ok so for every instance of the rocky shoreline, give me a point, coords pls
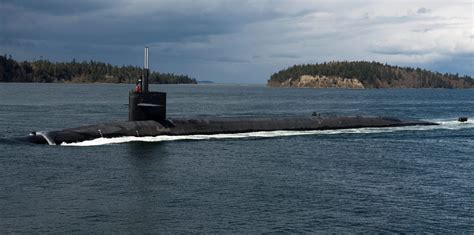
(319, 82)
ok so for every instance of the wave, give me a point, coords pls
(10, 141)
(444, 124)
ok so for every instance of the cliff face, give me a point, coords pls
(363, 74)
(319, 82)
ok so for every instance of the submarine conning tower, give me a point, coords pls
(144, 104)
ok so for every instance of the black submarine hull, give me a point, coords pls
(209, 126)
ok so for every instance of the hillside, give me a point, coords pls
(79, 72)
(362, 74)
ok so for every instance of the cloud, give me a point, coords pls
(239, 41)
(59, 7)
(285, 55)
(438, 38)
(136, 22)
(395, 50)
(423, 10)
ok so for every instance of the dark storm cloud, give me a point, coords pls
(108, 23)
(59, 7)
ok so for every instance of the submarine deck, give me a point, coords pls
(195, 126)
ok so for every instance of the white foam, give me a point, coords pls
(444, 124)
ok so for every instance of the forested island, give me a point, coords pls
(362, 74)
(44, 71)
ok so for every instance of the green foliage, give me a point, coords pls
(84, 72)
(375, 75)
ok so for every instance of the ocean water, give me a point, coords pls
(408, 179)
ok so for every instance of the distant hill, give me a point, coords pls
(362, 74)
(80, 72)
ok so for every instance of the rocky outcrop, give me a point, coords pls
(319, 82)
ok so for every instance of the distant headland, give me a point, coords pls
(44, 71)
(362, 74)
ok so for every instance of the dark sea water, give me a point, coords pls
(409, 179)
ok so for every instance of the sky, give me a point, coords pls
(234, 41)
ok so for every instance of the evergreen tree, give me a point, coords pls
(86, 71)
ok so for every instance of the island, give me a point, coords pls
(44, 71)
(363, 74)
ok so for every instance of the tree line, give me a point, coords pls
(376, 75)
(44, 71)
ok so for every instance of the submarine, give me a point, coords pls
(147, 117)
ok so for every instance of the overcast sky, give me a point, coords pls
(241, 41)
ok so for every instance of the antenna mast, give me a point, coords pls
(147, 72)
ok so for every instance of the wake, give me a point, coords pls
(444, 124)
